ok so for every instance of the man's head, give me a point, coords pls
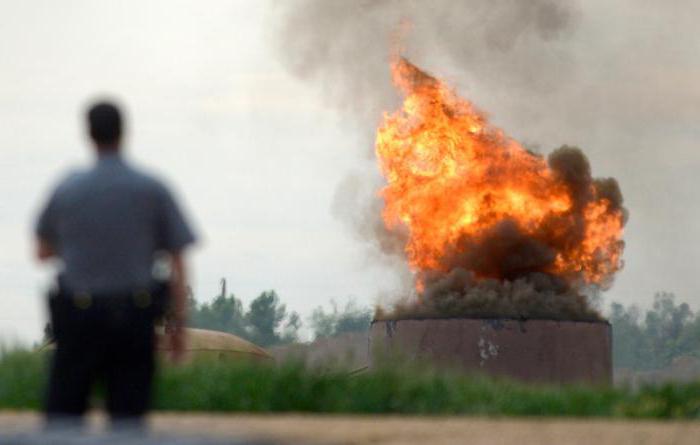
(105, 125)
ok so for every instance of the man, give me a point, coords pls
(106, 226)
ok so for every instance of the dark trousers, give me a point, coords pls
(106, 339)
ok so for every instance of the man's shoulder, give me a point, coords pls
(80, 179)
(146, 180)
(71, 180)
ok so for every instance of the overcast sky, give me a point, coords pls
(256, 154)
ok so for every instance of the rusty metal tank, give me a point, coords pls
(546, 351)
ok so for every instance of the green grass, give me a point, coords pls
(22, 376)
(226, 387)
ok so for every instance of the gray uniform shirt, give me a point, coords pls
(107, 224)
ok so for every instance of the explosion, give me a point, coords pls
(490, 226)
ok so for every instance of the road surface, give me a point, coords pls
(296, 429)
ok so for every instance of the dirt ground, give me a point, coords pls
(336, 430)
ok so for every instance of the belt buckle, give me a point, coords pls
(82, 300)
(142, 299)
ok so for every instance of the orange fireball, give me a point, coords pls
(470, 197)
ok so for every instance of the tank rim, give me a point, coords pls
(495, 319)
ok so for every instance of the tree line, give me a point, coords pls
(266, 321)
(642, 340)
(652, 339)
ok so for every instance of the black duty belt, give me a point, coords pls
(157, 297)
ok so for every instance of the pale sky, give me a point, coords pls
(255, 155)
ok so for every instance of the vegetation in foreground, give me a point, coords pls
(207, 385)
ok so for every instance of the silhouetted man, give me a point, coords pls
(106, 226)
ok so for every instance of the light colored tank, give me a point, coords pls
(214, 344)
(202, 343)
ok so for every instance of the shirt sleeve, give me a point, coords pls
(46, 224)
(174, 232)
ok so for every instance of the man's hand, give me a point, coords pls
(177, 344)
(44, 250)
(178, 286)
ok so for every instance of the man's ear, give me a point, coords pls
(44, 250)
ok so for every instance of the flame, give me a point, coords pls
(453, 180)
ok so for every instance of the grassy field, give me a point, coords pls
(244, 387)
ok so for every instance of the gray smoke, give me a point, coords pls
(353, 204)
(459, 294)
(343, 48)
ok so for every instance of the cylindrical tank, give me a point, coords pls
(532, 350)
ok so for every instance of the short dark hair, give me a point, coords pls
(105, 122)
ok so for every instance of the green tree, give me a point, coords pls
(266, 322)
(224, 313)
(290, 333)
(336, 322)
(668, 330)
(265, 315)
(664, 326)
(629, 346)
(689, 340)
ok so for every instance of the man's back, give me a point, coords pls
(106, 225)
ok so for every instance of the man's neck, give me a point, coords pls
(108, 151)
(108, 156)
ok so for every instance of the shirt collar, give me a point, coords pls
(110, 157)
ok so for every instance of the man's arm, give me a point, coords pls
(178, 286)
(46, 229)
(44, 250)
(174, 237)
